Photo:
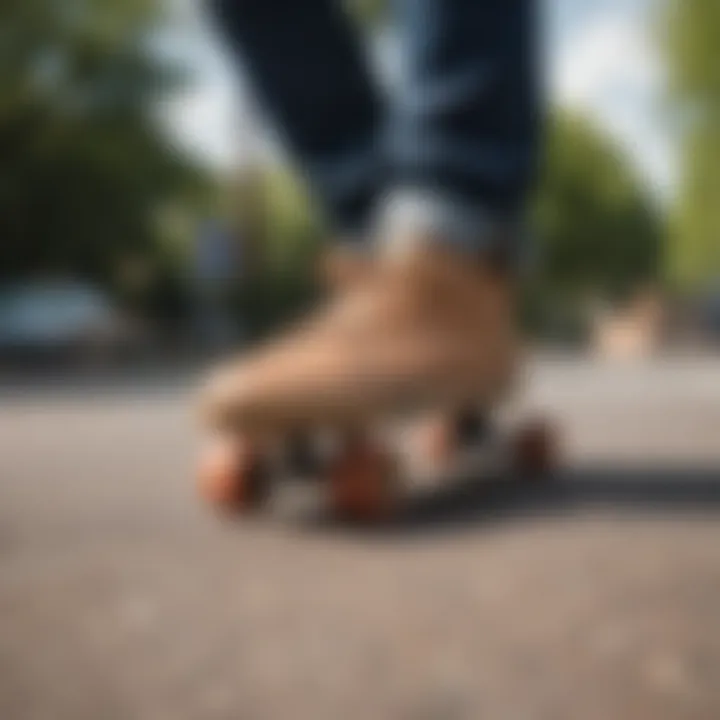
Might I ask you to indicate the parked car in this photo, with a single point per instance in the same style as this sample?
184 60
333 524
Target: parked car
68 320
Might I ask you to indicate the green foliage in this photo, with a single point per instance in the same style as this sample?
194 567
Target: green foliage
368 12
693 29
84 168
287 235
691 38
599 234
694 252
293 228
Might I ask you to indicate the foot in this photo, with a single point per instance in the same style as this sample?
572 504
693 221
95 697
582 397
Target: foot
429 329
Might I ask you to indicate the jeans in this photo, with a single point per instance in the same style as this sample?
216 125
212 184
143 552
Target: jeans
454 144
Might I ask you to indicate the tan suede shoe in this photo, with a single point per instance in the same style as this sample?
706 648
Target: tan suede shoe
430 329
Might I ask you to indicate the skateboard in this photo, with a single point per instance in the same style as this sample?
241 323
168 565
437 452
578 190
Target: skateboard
364 474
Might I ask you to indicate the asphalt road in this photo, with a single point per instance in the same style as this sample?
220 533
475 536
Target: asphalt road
596 596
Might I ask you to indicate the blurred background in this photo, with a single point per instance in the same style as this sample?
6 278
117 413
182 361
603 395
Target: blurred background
146 207
149 221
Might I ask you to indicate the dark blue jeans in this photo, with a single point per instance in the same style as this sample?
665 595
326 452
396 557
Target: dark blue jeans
460 131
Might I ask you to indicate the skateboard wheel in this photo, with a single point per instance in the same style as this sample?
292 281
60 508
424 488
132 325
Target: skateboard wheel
362 483
233 475
534 449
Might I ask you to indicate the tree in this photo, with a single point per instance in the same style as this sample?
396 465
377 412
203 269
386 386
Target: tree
597 229
692 31
287 235
368 12
598 235
85 169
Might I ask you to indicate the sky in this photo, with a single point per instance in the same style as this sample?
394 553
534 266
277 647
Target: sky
599 57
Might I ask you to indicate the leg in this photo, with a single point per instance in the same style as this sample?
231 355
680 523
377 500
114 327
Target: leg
305 64
433 329
463 133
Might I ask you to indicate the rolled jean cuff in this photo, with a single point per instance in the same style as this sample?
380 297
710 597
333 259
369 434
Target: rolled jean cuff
409 216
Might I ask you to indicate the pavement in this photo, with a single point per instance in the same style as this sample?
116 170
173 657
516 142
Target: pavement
593 596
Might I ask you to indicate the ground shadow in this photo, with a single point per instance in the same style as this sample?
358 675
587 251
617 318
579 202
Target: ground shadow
481 502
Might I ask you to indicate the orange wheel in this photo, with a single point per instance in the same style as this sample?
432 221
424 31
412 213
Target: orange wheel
535 449
362 483
233 475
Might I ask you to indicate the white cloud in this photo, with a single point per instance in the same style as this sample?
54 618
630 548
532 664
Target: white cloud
606 54
208 122
607 67
212 117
